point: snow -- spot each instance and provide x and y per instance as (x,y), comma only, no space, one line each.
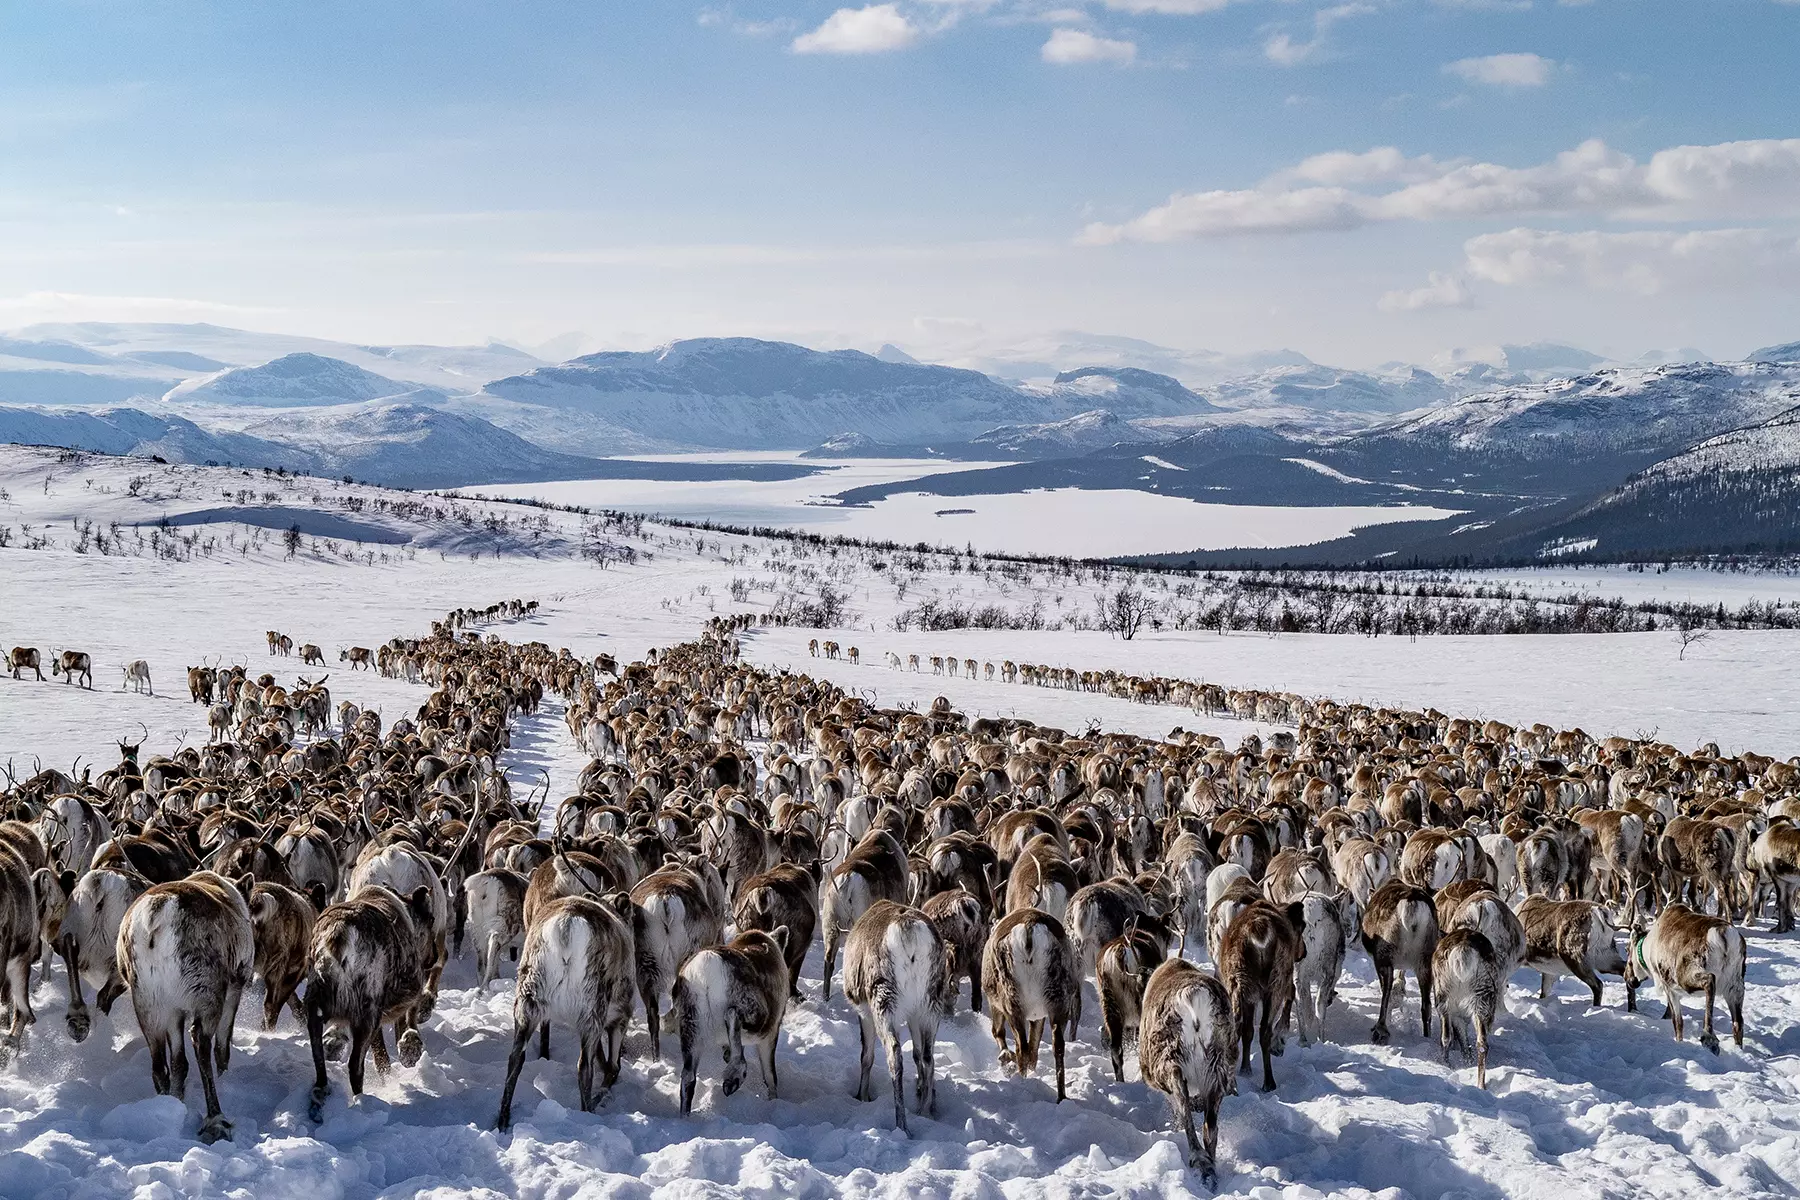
(1329,472)
(1058,522)
(1582,1102)
(1164,463)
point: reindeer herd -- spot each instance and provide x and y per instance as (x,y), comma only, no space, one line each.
(342,862)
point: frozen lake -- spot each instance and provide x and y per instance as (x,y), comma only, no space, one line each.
(1061,521)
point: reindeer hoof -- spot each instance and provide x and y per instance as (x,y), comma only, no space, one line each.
(80,1025)
(214,1128)
(1711,1042)
(411,1047)
(1209,1174)
(315,1111)
(1379,1035)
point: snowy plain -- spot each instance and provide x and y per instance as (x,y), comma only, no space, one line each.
(1582,1102)
(1046,521)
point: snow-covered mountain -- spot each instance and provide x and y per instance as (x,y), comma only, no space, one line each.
(1786,352)
(1046,355)
(295,380)
(1078,434)
(184,350)
(752,394)
(1331,389)
(1572,435)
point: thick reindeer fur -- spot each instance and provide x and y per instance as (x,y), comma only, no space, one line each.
(726,996)
(894,968)
(1687,953)
(186,950)
(576,970)
(371,962)
(784,895)
(1571,937)
(1028,973)
(1400,930)
(964,925)
(1256,964)
(1467,977)
(1188,1050)
(1098,913)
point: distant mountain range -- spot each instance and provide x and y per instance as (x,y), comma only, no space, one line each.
(1543,449)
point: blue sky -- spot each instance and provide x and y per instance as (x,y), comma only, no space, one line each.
(1359,181)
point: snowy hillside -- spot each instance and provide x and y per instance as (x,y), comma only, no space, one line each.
(1329,389)
(1061,439)
(294,380)
(1620,409)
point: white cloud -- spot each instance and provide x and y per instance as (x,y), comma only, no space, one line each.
(1731,180)
(1503,70)
(873,29)
(1644,261)
(1380,165)
(1441,290)
(1284,50)
(1067,46)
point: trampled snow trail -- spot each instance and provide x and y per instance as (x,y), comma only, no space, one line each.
(1582,1102)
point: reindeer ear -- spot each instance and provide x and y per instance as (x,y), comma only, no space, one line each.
(781,936)
(246,883)
(66,881)
(420,900)
(620,903)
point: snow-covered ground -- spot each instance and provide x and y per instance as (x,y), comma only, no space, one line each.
(1581,1102)
(1049,521)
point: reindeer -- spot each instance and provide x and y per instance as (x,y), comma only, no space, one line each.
(25,658)
(874,870)
(73,664)
(726,996)
(894,972)
(783,897)
(1029,975)
(1123,971)
(1467,978)
(1188,1050)
(1256,963)
(1400,931)
(311,655)
(496,906)
(137,677)
(186,950)
(576,969)
(360,658)
(370,963)
(201,683)
(1570,937)
(677,910)
(282,920)
(1686,952)
(88,939)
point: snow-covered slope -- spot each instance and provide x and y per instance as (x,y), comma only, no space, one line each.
(1610,422)
(294,380)
(1786,352)
(1075,435)
(134,432)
